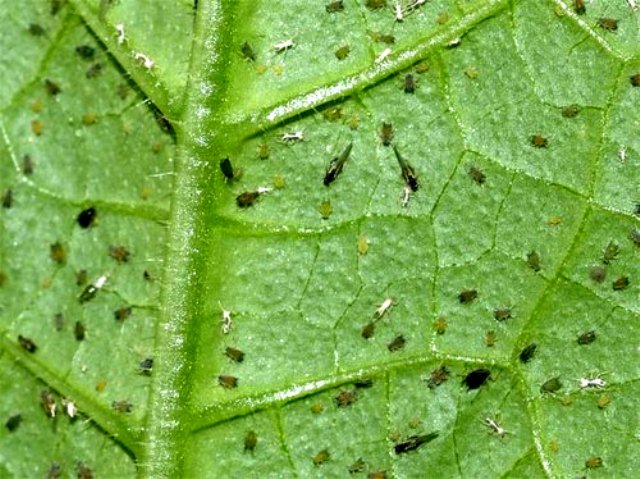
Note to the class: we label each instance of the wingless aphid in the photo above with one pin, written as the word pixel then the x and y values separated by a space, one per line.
pixel 248 198
pixel 250 441
pixel 476 378
pixel 27 344
pixel 336 165
pixel 248 52
pixel 227 169
pixel 386 133
pixel 408 173
pixel 335 7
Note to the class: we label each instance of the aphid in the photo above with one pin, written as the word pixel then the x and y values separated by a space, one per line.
pixel 408 173
pixel 250 441
pixel 490 338
pixel 386 133
pixel 122 406
pixel 397 343
pixel 383 308
pixel 13 422
pixel 502 314
pixel 346 398
pixel 634 235
pixel 593 462
pixel 54 472
pixel 440 325
pixel 467 296
pixel 611 252
pixel 52 87
pixel 603 401
pixel 48 403
pixel 414 442
pixel 28 165
pixel 92 289
pixel 438 376
pixel 325 209
pixel 455 43
pixel 406 195
pixel 592 383
pixel 7 199
pixel 81 277
pixel 362 244
pixel 101 385
pixel 228 382
pixel 87 217
pixel 609 24
pixel 368 330
pixel 234 354
pixel 377 475
pixel 357 466
pixel 363 383
pixel 571 111
pixel 247 51
pixel 79 331
pixel 539 141
pixel 635 80
pixel 227 169
pixel 94 70
pixel 383 55
pixel 381 37
pixel 636 210
pixel 598 274
pixel 123 313
pixel 264 150
pixel 70 408
pixel 146 366
pixel 83 471
pixel 336 165
pixel 533 260
pixel 119 253
pixel 343 52
pixel 621 283
pixel 27 344
pixel 283 46
pixel 248 198
pixel 322 457
pixel 58 321
pixel 335 7
pixel 551 386
pixel 528 352
pixel 36 30
pixel 85 52
pixel 587 337
pixel 375 4
pixel 317 408
pixel 146 61
pixel 476 378
pixel 147 276
pixel 58 253
pixel 36 127
pixel 578 6
pixel 494 426
pixel 120 32
pixel 409 83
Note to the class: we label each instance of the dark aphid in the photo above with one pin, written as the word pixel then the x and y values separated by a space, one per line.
pixel 467 296
pixel 27 344
pixel 13 422
pixel 58 321
pixel 377 475
pixel 58 253
pixel 335 165
pixel 635 80
pixel 28 165
pixel 621 283
pixel 250 441
pixel 386 133
pixel 636 210
pixel 119 253
pixel 363 383
pixel 36 127
pixel 234 354
pixel 414 442
pixel 578 6
pixel 571 111
pixel 408 173
pixel 551 386
pixel 476 378
pixel 52 87
pixel 375 4
pixel 248 52
pixel 397 343
pixel 7 199
pixel 490 338
pixel 598 274
pixel 36 30
pixel 94 70
pixel 228 382
pixel 227 169
pixel 48 403
pixel 122 313
pixel 477 175
pixel 335 7
pixel 357 466
pixel 539 141
pixel 587 337
pixel 322 457
pixel 346 398
pixel 333 113
pixel 87 217
pixel 611 252
pixel 440 325
pixel 438 376
pixel 634 235
pixel 54 472
pixel 147 276
pixel 56 6
pixel 146 366
pixel 85 52
pixel 83 471
pixel 343 52
pixel 533 260
pixel 81 277
pixel 247 199
pixel 368 330
pixel 593 462
pixel 608 24
pixel 79 331
pixel 409 83
pixel 528 352
pixel 502 314
pixel 122 406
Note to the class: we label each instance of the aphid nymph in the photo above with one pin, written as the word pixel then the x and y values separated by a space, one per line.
pixel 409 83
pixel 467 296
pixel 322 457
pixel 397 343
pixel 228 382
pixel 250 441
pixel 551 386
pixel 438 376
pixel 414 442
pixel 477 175
pixel 92 289
pixel 587 337
pixel 27 344
pixel 87 217
pixel 621 283
pixel 579 8
pixel 79 331
pixel 146 366
pixel 386 133
pixel 528 352
pixel 248 198
pixel 85 52
pixel 609 24
pixel 368 330
pixel 122 406
pixel 476 378
pixel 247 51
pixel 346 398
pixel 13 422
pixel 227 169
pixel 234 354
pixel 336 165
pixel 408 173
pixel 335 7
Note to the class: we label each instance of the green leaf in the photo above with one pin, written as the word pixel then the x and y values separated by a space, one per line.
pixel 523 231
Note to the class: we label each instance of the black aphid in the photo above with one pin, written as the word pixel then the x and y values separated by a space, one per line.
pixel 533 260
pixel 502 314
pixel 335 7
pixel 122 406
pixel 414 442
pixel 27 344
pixel 467 296
pixel 609 24
pixel 227 169
pixel 346 398
pixel 579 8
pixel 336 165
pixel 123 313
pixel 87 217
pixel 234 354
pixel 397 343
pixel 409 83
pixel 146 366
pixel 528 352
pixel 247 199
pixel 587 337
pixel 476 378
pixel 368 330
pixel 228 382
pixel 635 80
pixel 247 51
pixel 551 386
pixel 386 133
pixel 438 376
pixel 7 199
pixel 52 87
pixel 408 173
pixel 611 252
pixel 250 441
pixel 13 422
pixel 621 283
pixel 363 383
pixel 85 52
pixel 79 331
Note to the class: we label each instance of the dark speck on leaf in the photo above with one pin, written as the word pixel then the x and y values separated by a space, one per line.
pixel 122 313
pixel 52 87
pixel 621 283
pixel 571 111
pixel 502 314
pixel 551 386
pixel 250 441
pixel 13 422
pixel 609 24
pixel 85 52
pixel 635 80
pixel 7 199
pixel 533 260
pixel 414 442
pixel 335 7
pixel 539 141
pixel 247 199
pixel 87 217
pixel 396 344
pixel 27 344
pixel 79 331
pixel 119 253
pixel 587 337
pixel 36 30
pixel 228 382
pixel 409 83
pixel 94 70
pixel 368 330
pixel 528 352
pixel 476 378
pixel 146 366
pixel 467 296
pixel 579 8
pixel 247 51
pixel 234 354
